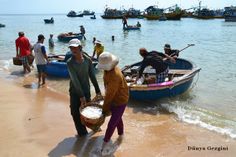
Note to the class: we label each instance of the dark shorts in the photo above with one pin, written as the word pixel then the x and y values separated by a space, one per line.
pixel 41 68
pixel 161 77
pixel 24 60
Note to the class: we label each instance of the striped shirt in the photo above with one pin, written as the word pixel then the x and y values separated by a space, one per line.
pixel 39 51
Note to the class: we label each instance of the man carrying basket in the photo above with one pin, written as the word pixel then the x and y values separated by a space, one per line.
pixel 80 70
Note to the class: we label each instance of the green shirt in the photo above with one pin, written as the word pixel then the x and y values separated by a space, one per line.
pixel 79 77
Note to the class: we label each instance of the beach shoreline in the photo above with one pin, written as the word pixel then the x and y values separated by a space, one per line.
pixel 37 122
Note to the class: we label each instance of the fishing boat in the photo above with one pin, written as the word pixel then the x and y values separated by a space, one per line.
pixel 88 12
pixel 113 14
pixel 180 78
pixel 153 13
pixel 58 67
pixel 203 13
pixel 133 13
pixel 74 14
pixel 230 14
pixel 173 13
pixel 2 25
pixel 48 21
pixel 66 37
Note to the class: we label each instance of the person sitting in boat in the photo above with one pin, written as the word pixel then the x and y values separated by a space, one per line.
pixel 156 60
pixel 172 53
pixel 124 21
pixel 98 48
pixel 138 24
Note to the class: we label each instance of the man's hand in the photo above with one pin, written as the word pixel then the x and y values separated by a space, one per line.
pixel 82 101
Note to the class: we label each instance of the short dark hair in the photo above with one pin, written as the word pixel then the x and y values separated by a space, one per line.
pixel 21 34
pixel 143 52
pixel 40 36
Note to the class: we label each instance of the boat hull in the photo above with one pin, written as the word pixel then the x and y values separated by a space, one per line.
pixel 160 93
pixel 59 69
pixel 230 18
pixel 111 17
pixel 48 21
pixel 68 38
pixel 131 28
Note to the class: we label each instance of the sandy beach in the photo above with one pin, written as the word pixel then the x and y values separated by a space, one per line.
pixel 37 122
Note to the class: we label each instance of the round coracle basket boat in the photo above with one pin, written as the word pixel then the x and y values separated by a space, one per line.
pixel 91 115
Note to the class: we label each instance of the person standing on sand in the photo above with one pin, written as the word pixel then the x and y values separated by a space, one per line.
pixel 23 50
pixel 80 69
pixel 116 95
pixel 41 59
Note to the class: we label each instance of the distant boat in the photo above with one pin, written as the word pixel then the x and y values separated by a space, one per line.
pixel 93 17
pixel 133 13
pixel 153 13
pixel 230 14
pixel 48 21
pixel 203 13
pixel 2 25
pixel 74 14
pixel 112 14
pixel 87 12
pixel 173 13
pixel 66 37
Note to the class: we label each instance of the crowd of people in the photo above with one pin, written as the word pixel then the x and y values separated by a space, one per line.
pixel 81 72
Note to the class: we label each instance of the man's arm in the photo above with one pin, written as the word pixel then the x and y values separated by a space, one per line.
pixel 17 47
pixel 44 53
pixel 93 77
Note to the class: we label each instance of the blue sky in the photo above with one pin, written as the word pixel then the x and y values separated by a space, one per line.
pixel 64 6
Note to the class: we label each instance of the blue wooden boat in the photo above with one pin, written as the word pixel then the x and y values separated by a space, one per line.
pixel 66 37
pixel 58 67
pixel 131 28
pixel 181 75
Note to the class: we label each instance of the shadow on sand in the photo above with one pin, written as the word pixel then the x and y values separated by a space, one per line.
pixel 87 146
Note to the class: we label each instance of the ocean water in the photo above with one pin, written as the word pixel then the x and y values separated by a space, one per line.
pixel 211 101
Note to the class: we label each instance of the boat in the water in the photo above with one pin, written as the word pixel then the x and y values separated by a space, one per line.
pixel 88 12
pixel 74 14
pixel 230 14
pixel 57 67
pixel 113 14
pixel 153 13
pixel 180 78
pixel 203 13
pixel 2 25
pixel 133 13
pixel 93 17
pixel 130 27
pixel 173 13
pixel 48 21
pixel 66 37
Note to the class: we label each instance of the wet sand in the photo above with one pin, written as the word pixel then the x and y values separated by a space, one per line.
pixel 37 122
